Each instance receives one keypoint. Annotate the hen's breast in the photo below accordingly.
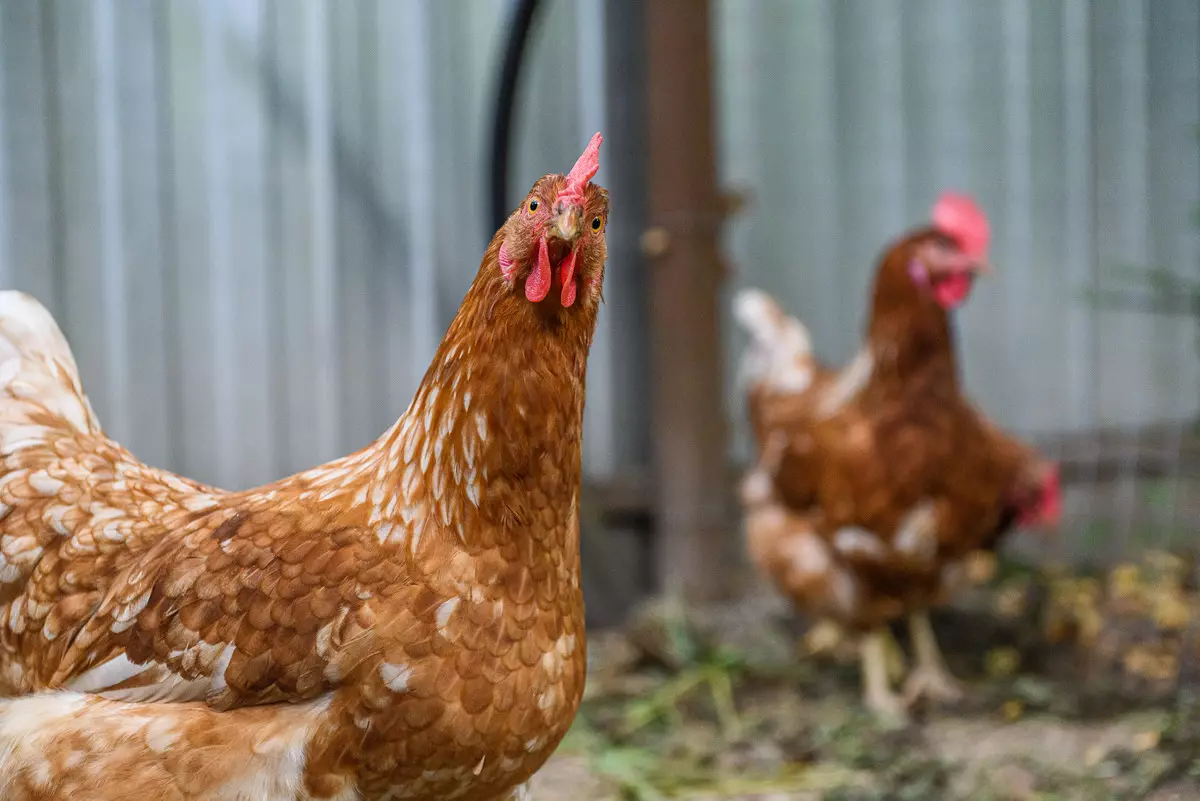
(477, 677)
(895, 493)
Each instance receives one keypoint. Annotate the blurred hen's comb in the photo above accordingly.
(584, 170)
(958, 217)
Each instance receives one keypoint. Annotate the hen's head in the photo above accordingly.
(945, 263)
(555, 240)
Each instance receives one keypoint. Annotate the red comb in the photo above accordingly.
(585, 169)
(958, 217)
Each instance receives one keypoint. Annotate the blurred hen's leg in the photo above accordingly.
(930, 677)
(877, 693)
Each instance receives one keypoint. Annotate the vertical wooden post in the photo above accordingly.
(693, 518)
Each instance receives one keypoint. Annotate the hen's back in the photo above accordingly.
(789, 391)
(75, 507)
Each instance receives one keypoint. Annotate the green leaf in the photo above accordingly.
(1160, 496)
(630, 768)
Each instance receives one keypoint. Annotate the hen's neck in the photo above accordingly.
(909, 334)
(492, 437)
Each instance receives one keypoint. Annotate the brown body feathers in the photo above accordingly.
(405, 622)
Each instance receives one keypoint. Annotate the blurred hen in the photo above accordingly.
(875, 482)
(405, 622)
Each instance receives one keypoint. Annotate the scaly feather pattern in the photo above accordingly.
(404, 622)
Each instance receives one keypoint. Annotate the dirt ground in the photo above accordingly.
(1078, 688)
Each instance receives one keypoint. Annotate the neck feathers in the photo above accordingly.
(492, 436)
(909, 333)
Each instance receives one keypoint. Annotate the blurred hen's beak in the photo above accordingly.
(566, 223)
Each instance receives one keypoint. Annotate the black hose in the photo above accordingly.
(506, 96)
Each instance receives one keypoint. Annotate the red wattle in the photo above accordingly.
(537, 285)
(1048, 510)
(951, 290)
(1051, 511)
(567, 273)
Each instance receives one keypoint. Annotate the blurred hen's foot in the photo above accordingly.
(877, 692)
(929, 678)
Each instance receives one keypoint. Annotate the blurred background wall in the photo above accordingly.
(255, 218)
(1077, 125)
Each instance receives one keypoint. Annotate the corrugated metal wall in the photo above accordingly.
(1076, 124)
(255, 217)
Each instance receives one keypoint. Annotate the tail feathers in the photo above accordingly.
(38, 375)
(780, 350)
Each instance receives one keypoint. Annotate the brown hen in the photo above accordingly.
(874, 483)
(405, 622)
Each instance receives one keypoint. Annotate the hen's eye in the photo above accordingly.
(533, 206)
(596, 224)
